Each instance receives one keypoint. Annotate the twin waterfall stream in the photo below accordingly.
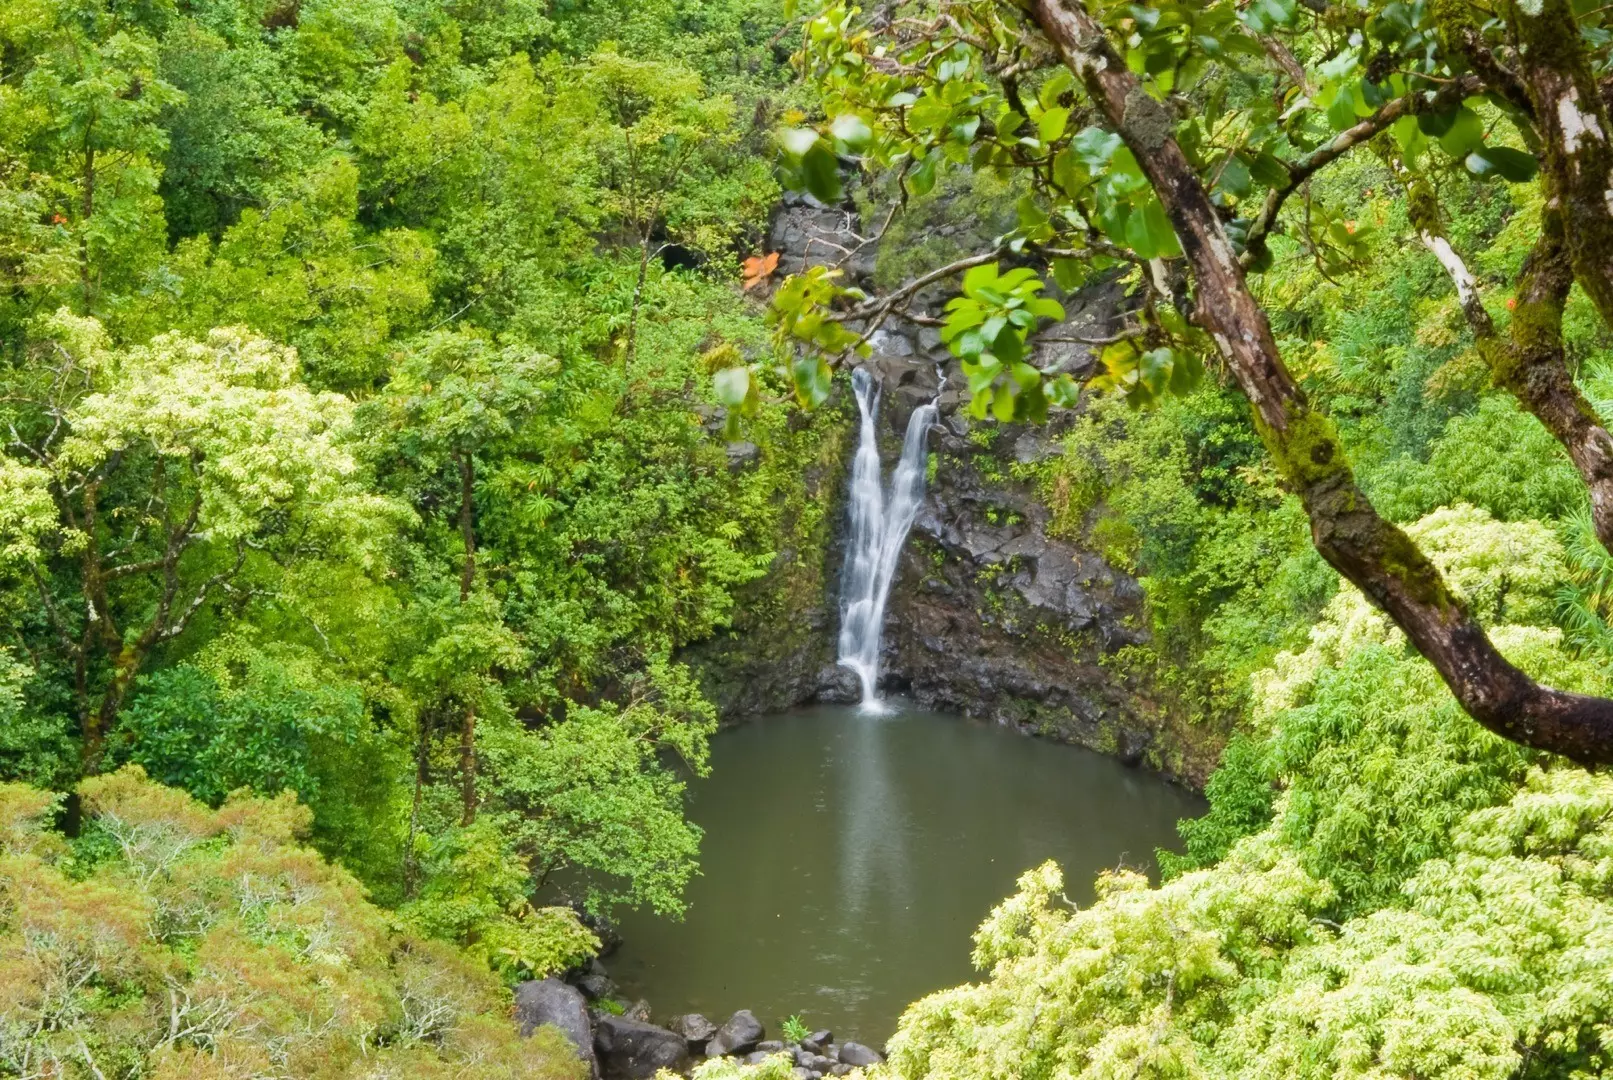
(880, 521)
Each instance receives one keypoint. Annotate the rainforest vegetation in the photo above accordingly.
(367, 372)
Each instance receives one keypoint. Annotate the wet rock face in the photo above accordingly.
(989, 615)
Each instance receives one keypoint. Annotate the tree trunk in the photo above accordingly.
(638, 297)
(467, 524)
(467, 577)
(1369, 551)
(86, 211)
(467, 766)
(422, 761)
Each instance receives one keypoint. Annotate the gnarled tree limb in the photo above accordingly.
(1308, 166)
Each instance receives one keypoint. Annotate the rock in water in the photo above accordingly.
(596, 986)
(852, 1053)
(741, 1033)
(551, 1001)
(816, 1041)
(694, 1027)
(634, 1050)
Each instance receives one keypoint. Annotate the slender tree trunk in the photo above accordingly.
(1348, 532)
(86, 211)
(638, 298)
(467, 578)
(422, 764)
(467, 524)
(97, 721)
(467, 766)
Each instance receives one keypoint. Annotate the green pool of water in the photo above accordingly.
(848, 858)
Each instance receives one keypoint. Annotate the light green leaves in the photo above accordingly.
(987, 328)
(1050, 125)
(1264, 16)
(1143, 376)
(809, 163)
(230, 409)
(27, 512)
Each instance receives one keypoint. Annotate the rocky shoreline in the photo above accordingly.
(627, 1046)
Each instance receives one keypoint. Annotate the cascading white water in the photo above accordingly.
(879, 524)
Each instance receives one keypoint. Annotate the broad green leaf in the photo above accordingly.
(813, 379)
(1235, 178)
(1342, 112)
(1055, 86)
(821, 172)
(1149, 232)
(1512, 165)
(1002, 407)
(1465, 134)
(732, 386)
(921, 178)
(979, 277)
(1051, 125)
(852, 131)
(797, 141)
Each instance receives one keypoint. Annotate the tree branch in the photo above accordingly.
(1349, 533)
(1341, 144)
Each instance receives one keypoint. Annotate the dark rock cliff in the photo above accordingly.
(990, 615)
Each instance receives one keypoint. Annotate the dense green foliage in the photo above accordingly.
(353, 383)
(359, 363)
(171, 940)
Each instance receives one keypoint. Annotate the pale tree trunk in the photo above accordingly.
(1577, 155)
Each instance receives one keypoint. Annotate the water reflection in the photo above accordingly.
(848, 859)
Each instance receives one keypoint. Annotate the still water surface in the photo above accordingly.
(848, 858)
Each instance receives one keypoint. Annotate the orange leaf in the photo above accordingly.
(758, 268)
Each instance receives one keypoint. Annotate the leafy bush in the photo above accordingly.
(172, 940)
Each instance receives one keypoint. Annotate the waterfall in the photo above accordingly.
(880, 520)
